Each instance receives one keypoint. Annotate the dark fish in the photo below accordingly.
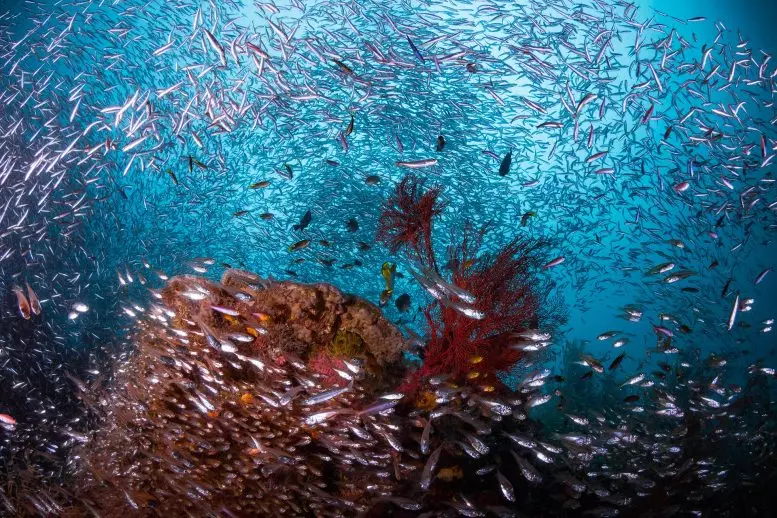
(587, 375)
(172, 175)
(299, 245)
(240, 213)
(349, 129)
(304, 222)
(724, 291)
(343, 67)
(415, 49)
(631, 399)
(526, 216)
(506, 161)
(403, 303)
(352, 225)
(440, 143)
(372, 180)
(690, 289)
(617, 361)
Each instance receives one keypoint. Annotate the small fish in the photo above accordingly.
(724, 291)
(682, 274)
(554, 262)
(259, 185)
(266, 216)
(592, 362)
(403, 303)
(631, 399)
(22, 303)
(7, 420)
(607, 335)
(289, 173)
(303, 222)
(343, 67)
(505, 486)
(241, 213)
(504, 167)
(634, 380)
(681, 187)
(428, 471)
(588, 98)
(415, 49)
(372, 180)
(171, 174)
(34, 301)
(197, 163)
(388, 270)
(325, 396)
(417, 164)
(352, 225)
(733, 316)
(299, 245)
(617, 361)
(440, 143)
(762, 275)
(526, 216)
(349, 129)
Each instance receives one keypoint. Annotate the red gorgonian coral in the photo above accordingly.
(406, 220)
(503, 284)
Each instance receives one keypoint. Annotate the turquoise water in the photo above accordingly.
(210, 132)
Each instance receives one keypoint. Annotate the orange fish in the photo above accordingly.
(24, 306)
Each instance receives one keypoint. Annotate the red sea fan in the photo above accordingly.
(406, 220)
(504, 286)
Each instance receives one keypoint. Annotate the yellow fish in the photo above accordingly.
(387, 270)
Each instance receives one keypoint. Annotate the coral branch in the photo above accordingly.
(406, 220)
(503, 284)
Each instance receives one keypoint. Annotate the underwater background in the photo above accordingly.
(144, 140)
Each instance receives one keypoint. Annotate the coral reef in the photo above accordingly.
(228, 407)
